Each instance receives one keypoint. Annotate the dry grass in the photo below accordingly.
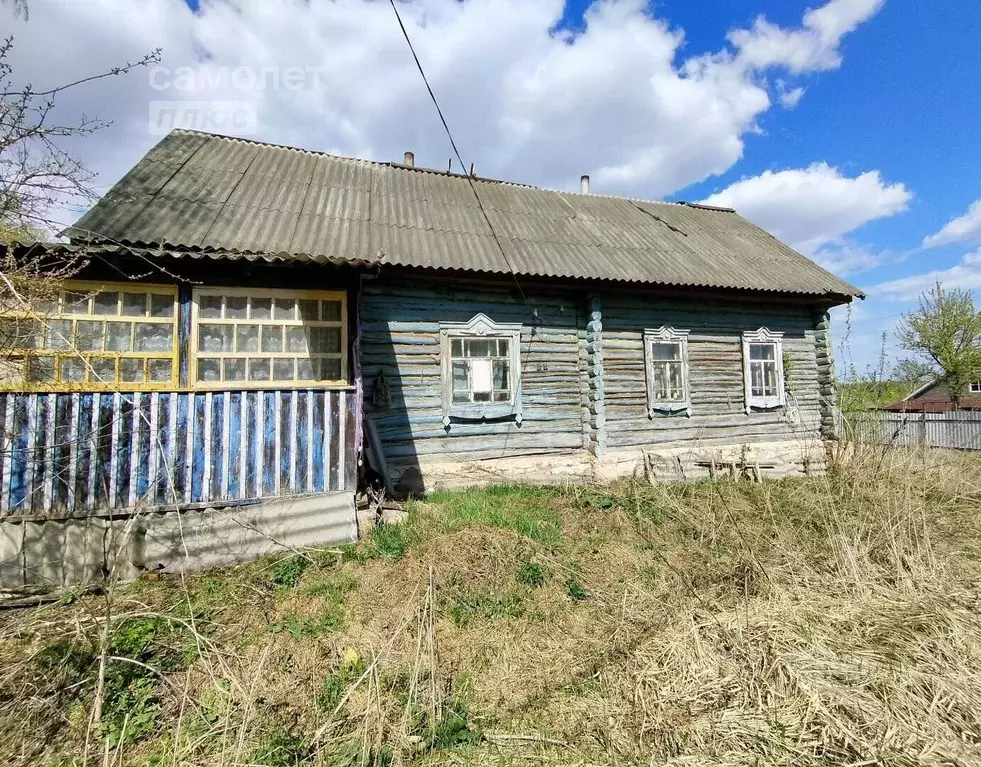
(802, 622)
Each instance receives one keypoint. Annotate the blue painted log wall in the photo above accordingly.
(77, 454)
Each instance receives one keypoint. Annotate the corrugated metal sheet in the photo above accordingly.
(197, 191)
(76, 454)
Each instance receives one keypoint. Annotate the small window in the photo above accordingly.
(763, 369)
(666, 355)
(94, 336)
(481, 377)
(975, 387)
(257, 338)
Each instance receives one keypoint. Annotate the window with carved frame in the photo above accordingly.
(763, 369)
(481, 370)
(666, 358)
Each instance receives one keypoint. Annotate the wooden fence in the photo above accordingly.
(959, 430)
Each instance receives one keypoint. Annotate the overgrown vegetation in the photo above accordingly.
(821, 621)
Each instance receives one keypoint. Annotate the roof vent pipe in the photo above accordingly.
(409, 160)
(584, 185)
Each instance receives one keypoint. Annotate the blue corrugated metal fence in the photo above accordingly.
(82, 453)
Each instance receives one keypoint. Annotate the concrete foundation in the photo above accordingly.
(58, 553)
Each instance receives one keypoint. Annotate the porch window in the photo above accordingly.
(666, 357)
(763, 369)
(260, 338)
(93, 336)
(481, 377)
(975, 387)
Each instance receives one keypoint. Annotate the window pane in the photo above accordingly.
(330, 370)
(296, 339)
(19, 334)
(283, 370)
(236, 307)
(103, 370)
(76, 302)
(47, 306)
(762, 351)
(501, 375)
(117, 337)
(154, 337)
(305, 370)
(285, 309)
(41, 369)
(261, 308)
(676, 385)
(325, 340)
(161, 305)
(659, 380)
(131, 370)
(480, 347)
(215, 338)
(309, 309)
(662, 351)
(259, 370)
(209, 370)
(209, 307)
(160, 371)
(461, 381)
(247, 338)
(91, 335)
(73, 370)
(272, 338)
(59, 334)
(106, 303)
(756, 379)
(234, 370)
(332, 311)
(503, 347)
(481, 376)
(134, 304)
(456, 347)
(770, 378)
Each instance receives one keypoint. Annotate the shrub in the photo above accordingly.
(287, 572)
(532, 574)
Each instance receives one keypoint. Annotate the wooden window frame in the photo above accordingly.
(763, 336)
(668, 336)
(482, 327)
(92, 287)
(239, 292)
(974, 387)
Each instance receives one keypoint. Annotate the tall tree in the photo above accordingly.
(945, 332)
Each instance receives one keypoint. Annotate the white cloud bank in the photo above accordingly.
(965, 275)
(814, 208)
(964, 228)
(525, 102)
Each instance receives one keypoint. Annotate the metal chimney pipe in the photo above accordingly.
(409, 160)
(584, 185)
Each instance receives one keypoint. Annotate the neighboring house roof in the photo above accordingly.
(934, 397)
(201, 192)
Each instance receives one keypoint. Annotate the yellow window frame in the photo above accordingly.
(224, 293)
(24, 356)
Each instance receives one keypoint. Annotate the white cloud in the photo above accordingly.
(789, 97)
(813, 208)
(812, 47)
(965, 275)
(525, 102)
(964, 228)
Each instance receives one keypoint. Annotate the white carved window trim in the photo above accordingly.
(768, 402)
(481, 326)
(975, 387)
(666, 335)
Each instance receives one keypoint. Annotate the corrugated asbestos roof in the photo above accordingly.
(228, 197)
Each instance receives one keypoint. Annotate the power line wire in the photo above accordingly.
(456, 151)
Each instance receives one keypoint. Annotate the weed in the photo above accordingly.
(575, 588)
(282, 749)
(385, 542)
(532, 574)
(471, 604)
(334, 685)
(301, 627)
(287, 572)
(526, 511)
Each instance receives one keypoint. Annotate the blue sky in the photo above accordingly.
(848, 128)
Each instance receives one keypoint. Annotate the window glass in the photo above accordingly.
(480, 369)
(763, 374)
(268, 336)
(667, 373)
(99, 336)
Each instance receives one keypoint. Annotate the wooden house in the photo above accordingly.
(936, 397)
(257, 326)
